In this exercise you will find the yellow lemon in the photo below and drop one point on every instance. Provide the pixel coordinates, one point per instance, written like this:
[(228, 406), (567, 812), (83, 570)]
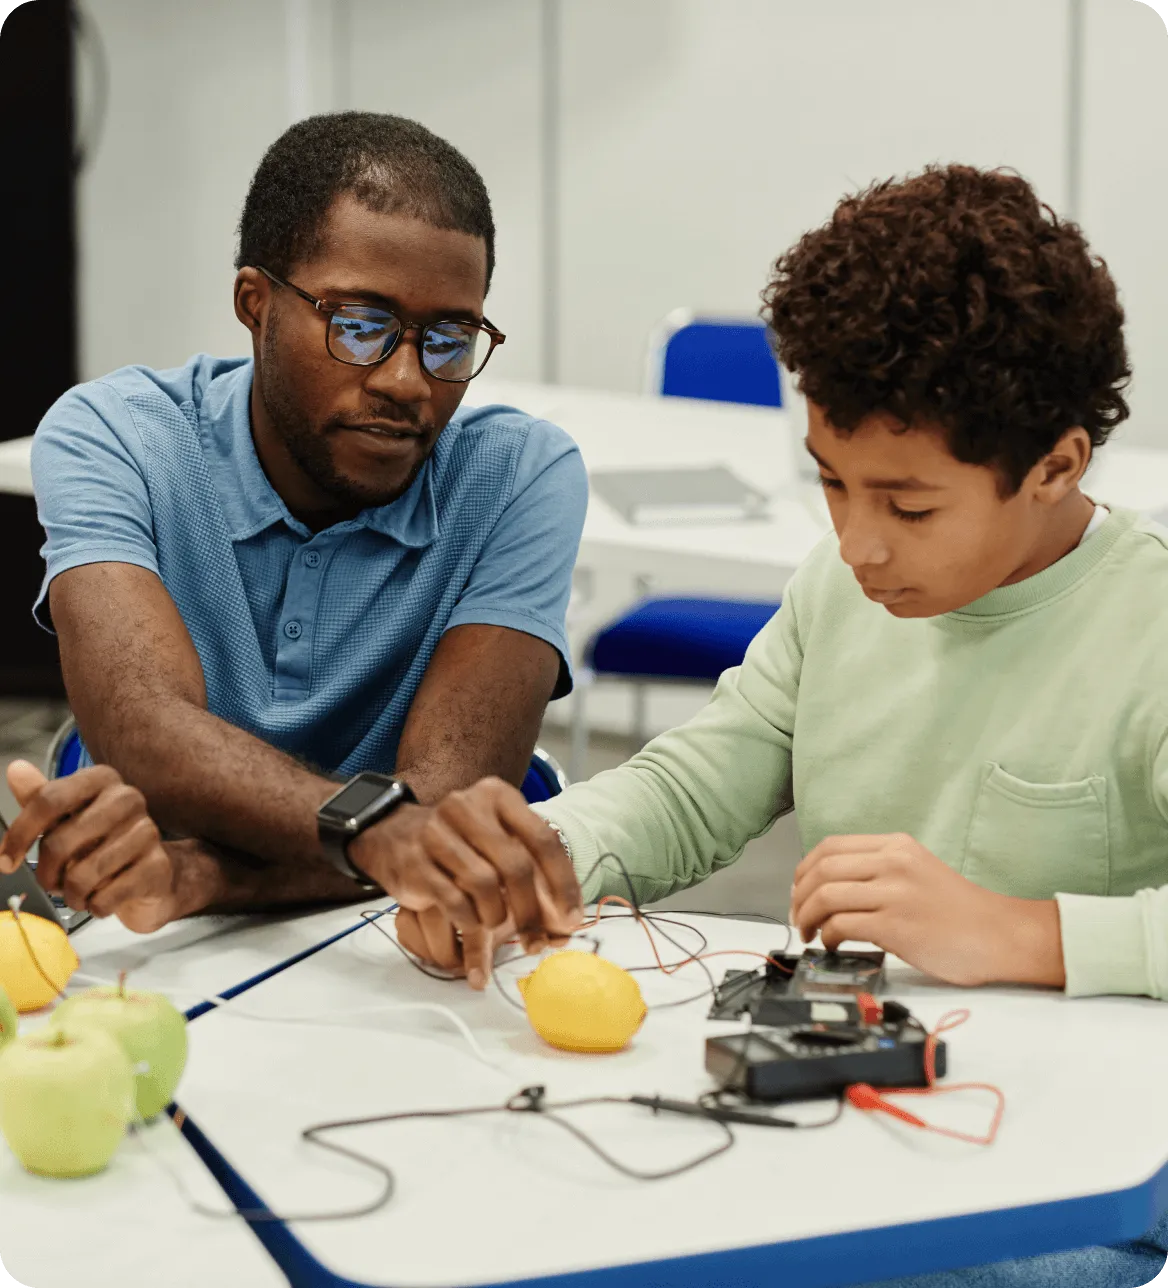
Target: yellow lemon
[(19, 976), (582, 1002)]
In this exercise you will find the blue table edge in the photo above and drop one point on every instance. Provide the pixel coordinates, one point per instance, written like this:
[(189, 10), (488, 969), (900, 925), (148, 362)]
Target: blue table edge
[(825, 1261)]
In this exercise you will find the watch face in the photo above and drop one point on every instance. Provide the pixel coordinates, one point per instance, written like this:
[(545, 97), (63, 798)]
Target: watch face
[(357, 797)]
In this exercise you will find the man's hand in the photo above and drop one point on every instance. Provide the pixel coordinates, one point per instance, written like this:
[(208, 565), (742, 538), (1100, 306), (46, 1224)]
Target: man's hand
[(892, 892), (477, 863), (100, 850)]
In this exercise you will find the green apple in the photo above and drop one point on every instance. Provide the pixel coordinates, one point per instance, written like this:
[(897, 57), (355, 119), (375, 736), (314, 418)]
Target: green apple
[(65, 1100), (152, 1033), (9, 1020)]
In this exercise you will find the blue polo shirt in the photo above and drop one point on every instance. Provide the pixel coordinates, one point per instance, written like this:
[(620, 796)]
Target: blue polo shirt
[(316, 643)]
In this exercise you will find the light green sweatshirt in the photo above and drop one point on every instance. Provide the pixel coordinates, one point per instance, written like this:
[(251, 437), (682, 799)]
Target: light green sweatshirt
[(1022, 739)]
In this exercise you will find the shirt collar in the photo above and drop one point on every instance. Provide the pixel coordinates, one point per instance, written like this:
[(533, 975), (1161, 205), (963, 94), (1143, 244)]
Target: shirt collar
[(250, 503)]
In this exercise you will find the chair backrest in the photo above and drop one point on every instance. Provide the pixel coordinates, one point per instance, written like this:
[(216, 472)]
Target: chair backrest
[(723, 359), (544, 778), (64, 754)]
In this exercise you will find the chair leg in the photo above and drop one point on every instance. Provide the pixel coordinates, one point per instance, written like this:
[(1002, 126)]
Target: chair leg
[(640, 715), (578, 748)]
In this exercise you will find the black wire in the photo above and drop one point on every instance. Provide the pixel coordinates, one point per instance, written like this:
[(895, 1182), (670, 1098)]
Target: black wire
[(529, 1100), (373, 917)]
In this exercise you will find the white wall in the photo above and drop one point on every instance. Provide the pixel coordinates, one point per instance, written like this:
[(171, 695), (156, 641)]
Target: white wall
[(199, 91), (705, 138), (196, 95), (1125, 189), (696, 141)]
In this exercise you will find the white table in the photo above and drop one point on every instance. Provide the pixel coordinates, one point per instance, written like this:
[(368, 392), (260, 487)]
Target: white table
[(1081, 1156), (630, 431), (130, 1226)]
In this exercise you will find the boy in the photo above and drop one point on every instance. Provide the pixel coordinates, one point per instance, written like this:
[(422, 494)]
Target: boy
[(963, 695)]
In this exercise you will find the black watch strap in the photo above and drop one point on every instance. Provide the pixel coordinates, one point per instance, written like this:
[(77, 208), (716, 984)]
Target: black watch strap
[(338, 825)]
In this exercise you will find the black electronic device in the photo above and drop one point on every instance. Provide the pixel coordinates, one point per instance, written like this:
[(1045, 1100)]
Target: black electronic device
[(810, 1059), (361, 802), (794, 988)]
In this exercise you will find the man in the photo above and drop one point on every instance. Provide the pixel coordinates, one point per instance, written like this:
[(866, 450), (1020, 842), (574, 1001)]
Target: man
[(274, 573), (963, 693)]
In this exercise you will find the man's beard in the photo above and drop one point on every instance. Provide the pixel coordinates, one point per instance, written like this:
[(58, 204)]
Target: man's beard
[(309, 447)]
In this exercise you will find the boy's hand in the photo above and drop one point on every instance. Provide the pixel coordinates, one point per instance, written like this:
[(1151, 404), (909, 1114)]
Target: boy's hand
[(892, 892)]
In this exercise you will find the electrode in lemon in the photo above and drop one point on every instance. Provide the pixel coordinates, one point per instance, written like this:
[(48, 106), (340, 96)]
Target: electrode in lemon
[(582, 1002), (36, 960)]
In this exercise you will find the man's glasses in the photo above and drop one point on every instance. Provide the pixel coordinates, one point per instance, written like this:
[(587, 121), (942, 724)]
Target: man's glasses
[(363, 336)]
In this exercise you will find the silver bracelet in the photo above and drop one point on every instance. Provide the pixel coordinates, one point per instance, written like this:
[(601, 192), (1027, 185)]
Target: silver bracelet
[(563, 839)]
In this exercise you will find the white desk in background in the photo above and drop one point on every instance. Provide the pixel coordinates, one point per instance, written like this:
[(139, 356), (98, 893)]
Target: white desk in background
[(630, 431), (130, 1226), (1080, 1158)]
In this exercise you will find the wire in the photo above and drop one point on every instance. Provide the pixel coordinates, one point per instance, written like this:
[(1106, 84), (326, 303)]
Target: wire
[(864, 1097), (14, 904), (528, 1100)]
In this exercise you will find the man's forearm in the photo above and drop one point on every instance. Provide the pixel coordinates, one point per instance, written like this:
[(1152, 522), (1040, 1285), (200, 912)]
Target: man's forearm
[(204, 777), (210, 880)]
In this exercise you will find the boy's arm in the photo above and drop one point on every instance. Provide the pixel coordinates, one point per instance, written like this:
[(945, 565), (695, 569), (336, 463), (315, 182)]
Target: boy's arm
[(686, 805), (1119, 944)]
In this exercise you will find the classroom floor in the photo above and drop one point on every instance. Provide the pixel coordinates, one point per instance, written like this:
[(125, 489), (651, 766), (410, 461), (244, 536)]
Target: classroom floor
[(759, 882)]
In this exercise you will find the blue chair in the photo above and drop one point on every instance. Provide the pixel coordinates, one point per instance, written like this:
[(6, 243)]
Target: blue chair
[(718, 358), (685, 639), (544, 778)]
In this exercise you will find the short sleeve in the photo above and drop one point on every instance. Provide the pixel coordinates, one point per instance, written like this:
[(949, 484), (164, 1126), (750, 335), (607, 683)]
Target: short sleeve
[(91, 493), (523, 577)]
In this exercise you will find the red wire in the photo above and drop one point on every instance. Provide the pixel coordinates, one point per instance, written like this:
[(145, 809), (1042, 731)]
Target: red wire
[(860, 1095), (867, 1098)]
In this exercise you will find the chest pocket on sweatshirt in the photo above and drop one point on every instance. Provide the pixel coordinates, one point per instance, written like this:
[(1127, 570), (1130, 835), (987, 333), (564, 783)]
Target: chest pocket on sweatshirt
[(1037, 839)]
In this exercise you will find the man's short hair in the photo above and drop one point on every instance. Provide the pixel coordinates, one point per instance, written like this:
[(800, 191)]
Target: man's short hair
[(954, 297), (388, 163)]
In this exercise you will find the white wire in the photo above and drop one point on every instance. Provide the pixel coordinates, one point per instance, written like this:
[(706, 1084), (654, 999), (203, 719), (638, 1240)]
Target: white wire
[(231, 1006)]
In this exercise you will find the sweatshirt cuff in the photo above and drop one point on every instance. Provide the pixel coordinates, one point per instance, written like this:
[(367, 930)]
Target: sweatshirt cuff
[(1105, 948), (582, 845)]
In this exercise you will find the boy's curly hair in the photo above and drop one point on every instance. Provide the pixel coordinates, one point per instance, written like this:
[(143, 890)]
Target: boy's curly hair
[(954, 298)]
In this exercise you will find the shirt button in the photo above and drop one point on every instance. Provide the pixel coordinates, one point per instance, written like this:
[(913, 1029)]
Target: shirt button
[(293, 630), (312, 558)]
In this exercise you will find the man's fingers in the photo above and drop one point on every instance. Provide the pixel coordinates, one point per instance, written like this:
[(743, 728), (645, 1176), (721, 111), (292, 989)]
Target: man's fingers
[(476, 877), (53, 802), (544, 845), (440, 943), (133, 843), (152, 878), (508, 856), (830, 900), (478, 955), (24, 780), (72, 840)]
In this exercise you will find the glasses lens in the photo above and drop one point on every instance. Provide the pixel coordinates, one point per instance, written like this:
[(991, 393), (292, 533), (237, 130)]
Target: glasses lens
[(454, 350), (361, 336)]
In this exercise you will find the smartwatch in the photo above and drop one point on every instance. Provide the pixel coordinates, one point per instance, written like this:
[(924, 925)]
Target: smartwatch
[(362, 801)]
